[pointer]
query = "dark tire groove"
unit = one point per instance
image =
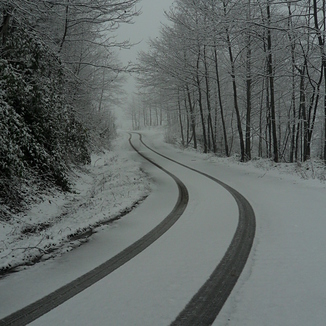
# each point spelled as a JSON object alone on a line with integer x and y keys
{"x": 40, "y": 307}
{"x": 206, "y": 304}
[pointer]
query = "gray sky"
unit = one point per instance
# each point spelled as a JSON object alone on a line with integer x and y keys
{"x": 146, "y": 25}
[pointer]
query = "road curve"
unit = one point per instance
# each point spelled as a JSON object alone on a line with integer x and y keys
{"x": 205, "y": 305}
{"x": 40, "y": 307}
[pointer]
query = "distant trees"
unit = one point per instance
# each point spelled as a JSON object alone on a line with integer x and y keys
{"x": 146, "y": 111}
{"x": 243, "y": 76}
{"x": 58, "y": 77}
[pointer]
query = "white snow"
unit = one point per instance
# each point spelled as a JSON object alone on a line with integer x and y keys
{"x": 283, "y": 282}
{"x": 111, "y": 184}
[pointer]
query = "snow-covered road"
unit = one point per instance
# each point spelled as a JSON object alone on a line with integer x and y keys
{"x": 155, "y": 286}
{"x": 283, "y": 282}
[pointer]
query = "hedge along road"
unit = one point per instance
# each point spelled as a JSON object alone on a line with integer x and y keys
{"x": 209, "y": 300}
{"x": 58, "y": 297}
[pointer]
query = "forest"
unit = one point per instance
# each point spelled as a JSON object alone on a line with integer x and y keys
{"x": 243, "y": 78}
{"x": 59, "y": 79}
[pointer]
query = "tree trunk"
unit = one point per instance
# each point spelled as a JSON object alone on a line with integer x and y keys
{"x": 5, "y": 26}
{"x": 260, "y": 141}
{"x": 235, "y": 95}
{"x": 303, "y": 112}
{"x": 192, "y": 118}
{"x": 248, "y": 88}
{"x": 268, "y": 136}
{"x": 226, "y": 146}
{"x": 180, "y": 120}
{"x": 271, "y": 85}
{"x": 293, "y": 106}
{"x": 65, "y": 27}
{"x": 200, "y": 102}
{"x": 313, "y": 113}
{"x": 210, "y": 133}
{"x": 321, "y": 42}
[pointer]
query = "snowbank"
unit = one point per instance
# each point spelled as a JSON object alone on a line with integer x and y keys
{"x": 104, "y": 191}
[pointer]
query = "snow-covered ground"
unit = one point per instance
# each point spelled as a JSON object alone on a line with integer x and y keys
{"x": 283, "y": 282}
{"x": 103, "y": 191}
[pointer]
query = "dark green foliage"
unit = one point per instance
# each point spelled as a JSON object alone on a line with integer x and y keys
{"x": 39, "y": 132}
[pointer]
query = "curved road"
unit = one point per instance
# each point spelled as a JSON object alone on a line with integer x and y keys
{"x": 203, "y": 308}
{"x": 209, "y": 300}
{"x": 56, "y": 298}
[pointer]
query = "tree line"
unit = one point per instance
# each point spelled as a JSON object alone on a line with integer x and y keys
{"x": 59, "y": 79}
{"x": 245, "y": 77}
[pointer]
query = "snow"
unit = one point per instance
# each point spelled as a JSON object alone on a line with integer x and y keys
{"x": 164, "y": 277}
{"x": 283, "y": 282}
{"x": 111, "y": 185}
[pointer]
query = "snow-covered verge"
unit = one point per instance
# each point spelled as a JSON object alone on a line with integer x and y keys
{"x": 103, "y": 191}
{"x": 313, "y": 169}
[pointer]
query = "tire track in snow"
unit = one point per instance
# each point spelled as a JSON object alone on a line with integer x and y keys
{"x": 206, "y": 304}
{"x": 40, "y": 307}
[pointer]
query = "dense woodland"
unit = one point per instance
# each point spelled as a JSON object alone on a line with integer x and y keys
{"x": 59, "y": 78}
{"x": 239, "y": 77}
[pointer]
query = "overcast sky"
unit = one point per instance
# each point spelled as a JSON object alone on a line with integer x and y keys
{"x": 146, "y": 26}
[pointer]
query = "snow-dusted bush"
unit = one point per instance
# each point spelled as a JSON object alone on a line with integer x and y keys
{"x": 39, "y": 132}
